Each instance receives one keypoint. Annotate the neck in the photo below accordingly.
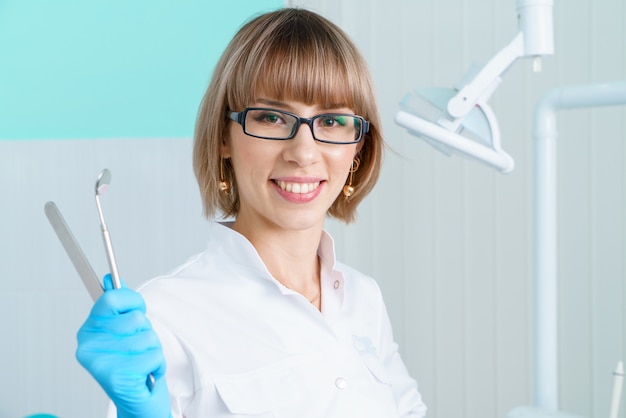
(290, 256)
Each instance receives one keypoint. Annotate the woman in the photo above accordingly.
(265, 322)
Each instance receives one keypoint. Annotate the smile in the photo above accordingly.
(298, 188)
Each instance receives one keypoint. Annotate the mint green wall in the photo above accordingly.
(110, 68)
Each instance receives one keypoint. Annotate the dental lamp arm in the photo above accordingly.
(483, 85)
(534, 39)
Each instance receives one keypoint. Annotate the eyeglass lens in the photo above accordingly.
(274, 124)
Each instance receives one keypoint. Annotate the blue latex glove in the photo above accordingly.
(118, 346)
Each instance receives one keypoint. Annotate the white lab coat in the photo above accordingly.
(239, 344)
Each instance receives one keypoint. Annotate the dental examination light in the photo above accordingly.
(459, 120)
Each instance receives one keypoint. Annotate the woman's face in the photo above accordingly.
(287, 184)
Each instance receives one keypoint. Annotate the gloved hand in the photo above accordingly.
(118, 346)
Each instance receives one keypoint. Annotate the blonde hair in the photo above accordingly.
(292, 54)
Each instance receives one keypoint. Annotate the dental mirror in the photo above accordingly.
(102, 185)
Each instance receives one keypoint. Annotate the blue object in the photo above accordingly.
(42, 416)
(119, 348)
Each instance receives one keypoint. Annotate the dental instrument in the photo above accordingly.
(459, 120)
(102, 185)
(618, 380)
(77, 256)
(73, 250)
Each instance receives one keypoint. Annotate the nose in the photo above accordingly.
(302, 149)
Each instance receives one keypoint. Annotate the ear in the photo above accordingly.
(359, 147)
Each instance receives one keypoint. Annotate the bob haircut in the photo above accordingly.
(291, 54)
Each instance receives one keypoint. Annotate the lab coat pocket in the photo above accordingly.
(369, 356)
(266, 392)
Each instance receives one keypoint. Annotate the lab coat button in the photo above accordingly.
(341, 383)
(336, 284)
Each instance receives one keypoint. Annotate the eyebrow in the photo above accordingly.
(278, 103)
(270, 102)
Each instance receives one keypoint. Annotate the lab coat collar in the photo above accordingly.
(326, 250)
(236, 247)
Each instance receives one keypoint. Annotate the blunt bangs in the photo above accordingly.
(298, 59)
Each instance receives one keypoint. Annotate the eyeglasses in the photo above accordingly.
(332, 128)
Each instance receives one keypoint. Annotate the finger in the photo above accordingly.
(159, 387)
(118, 301)
(139, 354)
(158, 372)
(107, 282)
(119, 325)
(133, 389)
(133, 371)
(128, 345)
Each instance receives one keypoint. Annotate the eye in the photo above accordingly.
(330, 121)
(271, 117)
(268, 117)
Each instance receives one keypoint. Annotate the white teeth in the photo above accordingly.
(299, 188)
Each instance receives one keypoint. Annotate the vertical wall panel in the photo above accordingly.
(607, 216)
(448, 179)
(513, 211)
(479, 259)
(574, 176)
(420, 329)
(392, 267)
(622, 119)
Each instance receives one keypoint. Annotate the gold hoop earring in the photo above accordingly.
(224, 185)
(348, 189)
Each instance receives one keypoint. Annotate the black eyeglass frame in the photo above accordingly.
(240, 118)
